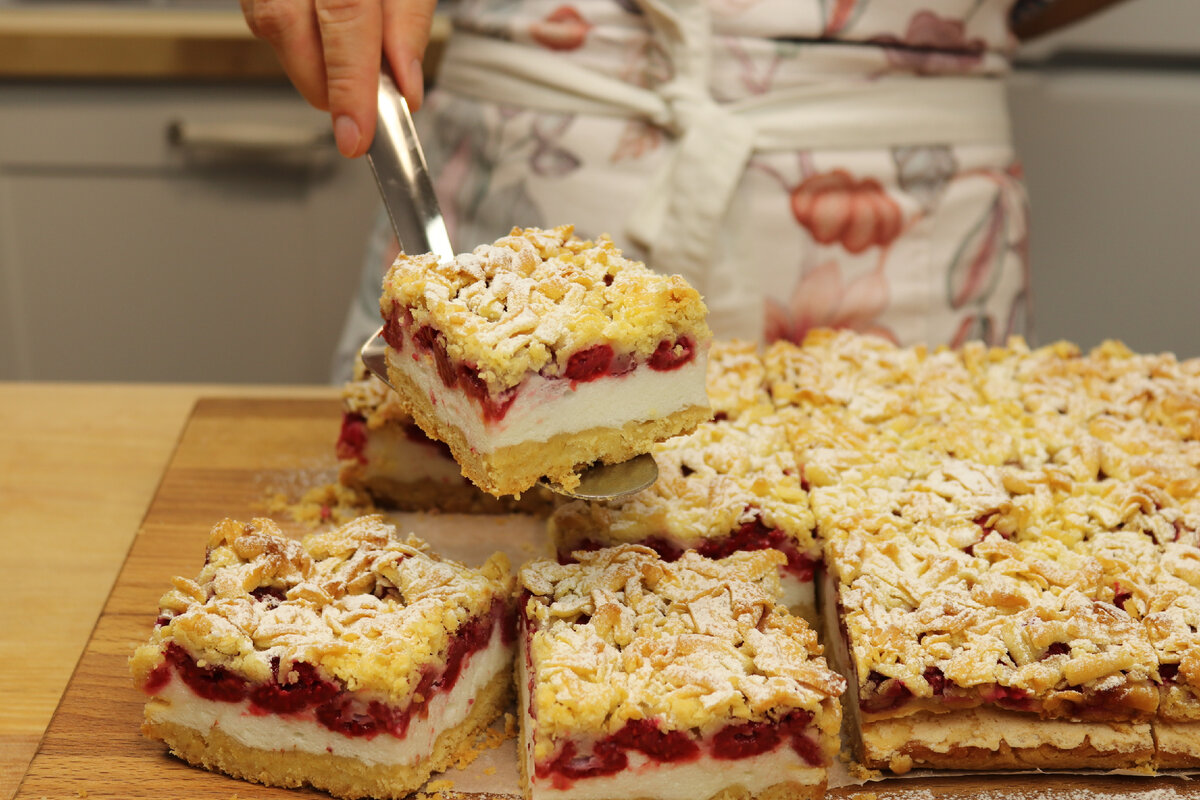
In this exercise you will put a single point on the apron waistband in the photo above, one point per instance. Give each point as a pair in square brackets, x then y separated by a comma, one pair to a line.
[678, 220]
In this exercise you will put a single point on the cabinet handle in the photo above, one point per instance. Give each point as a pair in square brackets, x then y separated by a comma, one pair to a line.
[294, 145]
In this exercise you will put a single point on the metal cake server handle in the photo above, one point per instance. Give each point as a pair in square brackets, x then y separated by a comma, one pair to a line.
[403, 179]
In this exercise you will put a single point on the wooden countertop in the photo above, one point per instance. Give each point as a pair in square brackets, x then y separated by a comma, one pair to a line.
[79, 464]
[93, 41]
[120, 42]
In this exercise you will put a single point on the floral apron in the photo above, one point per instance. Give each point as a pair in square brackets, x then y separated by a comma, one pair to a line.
[803, 163]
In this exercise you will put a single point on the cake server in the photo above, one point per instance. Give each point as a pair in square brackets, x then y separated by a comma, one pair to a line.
[403, 179]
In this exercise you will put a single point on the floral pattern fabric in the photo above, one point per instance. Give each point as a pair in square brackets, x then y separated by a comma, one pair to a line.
[915, 242]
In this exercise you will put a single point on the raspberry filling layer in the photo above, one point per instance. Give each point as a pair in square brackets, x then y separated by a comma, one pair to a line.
[741, 740]
[352, 438]
[880, 695]
[753, 535]
[583, 366]
[301, 692]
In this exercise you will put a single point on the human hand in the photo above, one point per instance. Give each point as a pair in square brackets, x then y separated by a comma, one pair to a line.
[332, 51]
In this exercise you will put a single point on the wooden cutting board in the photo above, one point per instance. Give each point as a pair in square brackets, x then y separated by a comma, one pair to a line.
[232, 456]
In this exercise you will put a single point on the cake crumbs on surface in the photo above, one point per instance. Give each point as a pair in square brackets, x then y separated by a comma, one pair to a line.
[860, 772]
[487, 739]
[327, 504]
[1161, 793]
[439, 785]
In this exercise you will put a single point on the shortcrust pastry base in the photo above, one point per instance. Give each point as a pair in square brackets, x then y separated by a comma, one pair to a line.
[339, 775]
[515, 469]
[985, 738]
[1178, 744]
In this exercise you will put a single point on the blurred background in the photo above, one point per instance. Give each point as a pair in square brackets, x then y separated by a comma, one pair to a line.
[171, 210]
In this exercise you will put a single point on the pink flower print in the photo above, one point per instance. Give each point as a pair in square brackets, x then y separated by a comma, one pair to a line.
[933, 45]
[839, 17]
[564, 28]
[857, 214]
[977, 264]
[975, 328]
[822, 300]
[636, 140]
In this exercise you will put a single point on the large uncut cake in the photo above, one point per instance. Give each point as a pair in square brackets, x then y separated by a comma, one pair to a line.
[1007, 537]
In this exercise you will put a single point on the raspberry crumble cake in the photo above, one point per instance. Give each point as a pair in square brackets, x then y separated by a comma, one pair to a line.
[382, 451]
[1010, 547]
[542, 353]
[353, 661]
[670, 680]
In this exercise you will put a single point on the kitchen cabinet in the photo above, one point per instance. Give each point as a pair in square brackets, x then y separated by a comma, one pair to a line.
[1106, 117]
[174, 231]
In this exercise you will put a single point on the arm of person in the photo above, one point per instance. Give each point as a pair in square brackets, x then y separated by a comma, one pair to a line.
[1033, 18]
[332, 51]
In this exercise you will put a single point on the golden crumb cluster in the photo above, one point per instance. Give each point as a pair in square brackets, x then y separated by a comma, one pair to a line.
[357, 602]
[373, 400]
[532, 299]
[735, 379]
[694, 643]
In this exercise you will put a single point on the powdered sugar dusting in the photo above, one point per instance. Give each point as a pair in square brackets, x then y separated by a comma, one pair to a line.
[535, 297]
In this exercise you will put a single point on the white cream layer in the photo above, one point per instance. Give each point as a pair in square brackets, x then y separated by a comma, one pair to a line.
[544, 408]
[177, 704]
[645, 777]
[390, 453]
[798, 595]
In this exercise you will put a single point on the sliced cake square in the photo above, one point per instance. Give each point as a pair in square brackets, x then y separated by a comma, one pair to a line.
[683, 680]
[975, 636]
[353, 662]
[542, 353]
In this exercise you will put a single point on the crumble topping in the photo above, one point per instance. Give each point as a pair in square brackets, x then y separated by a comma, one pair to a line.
[535, 297]
[696, 643]
[736, 380]
[357, 602]
[1006, 516]
[711, 482]
[372, 399]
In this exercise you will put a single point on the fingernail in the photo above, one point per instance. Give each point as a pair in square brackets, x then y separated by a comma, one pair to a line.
[414, 84]
[347, 136]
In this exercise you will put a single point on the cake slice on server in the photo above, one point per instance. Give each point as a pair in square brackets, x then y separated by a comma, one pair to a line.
[542, 353]
[353, 662]
[641, 678]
